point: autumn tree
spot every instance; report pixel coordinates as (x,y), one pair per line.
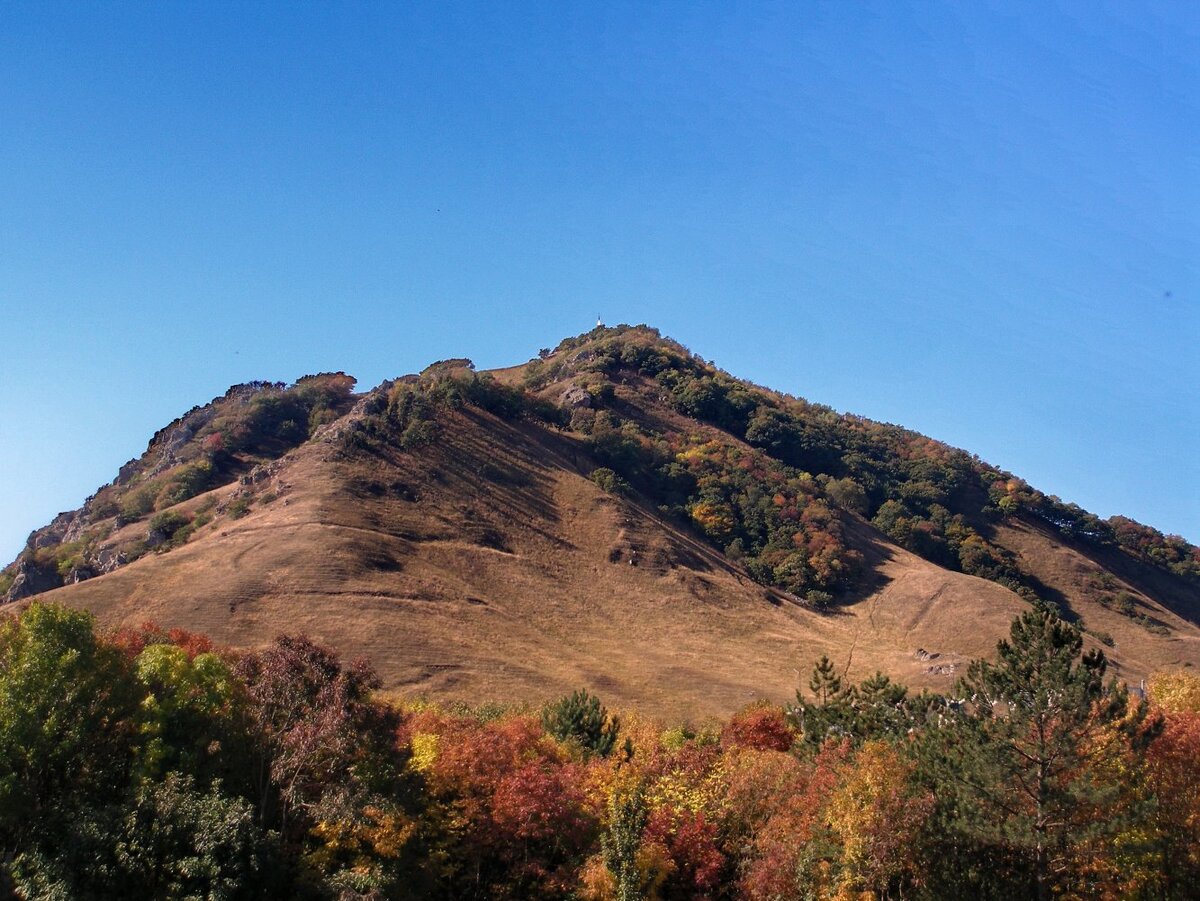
(621,842)
(327,767)
(1173,775)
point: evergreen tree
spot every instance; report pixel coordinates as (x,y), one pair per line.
(580,717)
(877,708)
(825,683)
(1020,772)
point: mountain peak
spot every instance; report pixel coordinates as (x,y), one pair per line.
(507,521)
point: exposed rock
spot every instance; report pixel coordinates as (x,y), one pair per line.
(162,451)
(31,580)
(79,574)
(126,473)
(574,398)
(108,560)
(64,527)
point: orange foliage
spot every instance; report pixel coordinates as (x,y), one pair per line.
(761,727)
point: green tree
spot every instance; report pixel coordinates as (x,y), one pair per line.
(194,717)
(580,717)
(67,728)
(876,708)
(1021,772)
(825,683)
(627,815)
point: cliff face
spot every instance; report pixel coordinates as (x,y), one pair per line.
(616,514)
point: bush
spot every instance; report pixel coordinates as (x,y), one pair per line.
(138,503)
(609,481)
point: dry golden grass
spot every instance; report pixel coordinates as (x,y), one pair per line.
(488,567)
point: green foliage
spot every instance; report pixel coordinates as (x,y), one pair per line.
(167,523)
(238,507)
(1127,604)
(582,719)
(178,840)
(1023,771)
(186,482)
(825,683)
(138,502)
(67,706)
(194,715)
(627,815)
(609,481)
(876,708)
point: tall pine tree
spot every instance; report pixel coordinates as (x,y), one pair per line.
(1020,772)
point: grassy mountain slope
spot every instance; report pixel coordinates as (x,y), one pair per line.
(616,514)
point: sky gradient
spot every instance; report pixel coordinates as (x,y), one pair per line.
(979,221)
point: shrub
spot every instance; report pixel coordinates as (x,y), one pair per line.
(609,481)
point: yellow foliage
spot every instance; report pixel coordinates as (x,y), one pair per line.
(681,790)
(654,865)
(1178,691)
(382,835)
(596,881)
(869,810)
(715,519)
(424,751)
(390,832)
(674,739)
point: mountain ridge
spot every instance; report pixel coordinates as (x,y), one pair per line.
(483,521)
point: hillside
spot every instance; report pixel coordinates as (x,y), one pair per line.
(617,514)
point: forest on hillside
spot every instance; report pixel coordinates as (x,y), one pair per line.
(147,763)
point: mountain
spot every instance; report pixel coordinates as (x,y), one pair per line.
(616,513)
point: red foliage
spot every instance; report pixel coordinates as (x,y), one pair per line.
(193,643)
(762,727)
(772,871)
(317,719)
(691,844)
(540,821)
(132,641)
(472,759)
(1174,778)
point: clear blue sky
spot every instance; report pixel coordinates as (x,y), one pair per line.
(978,220)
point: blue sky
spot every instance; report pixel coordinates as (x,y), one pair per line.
(976,220)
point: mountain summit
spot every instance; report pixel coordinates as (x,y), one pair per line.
(616,513)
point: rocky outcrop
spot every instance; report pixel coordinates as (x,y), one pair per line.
(574,398)
(163,450)
(63,528)
(31,579)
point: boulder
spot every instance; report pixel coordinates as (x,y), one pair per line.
(574,398)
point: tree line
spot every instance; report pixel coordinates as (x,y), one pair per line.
(150,764)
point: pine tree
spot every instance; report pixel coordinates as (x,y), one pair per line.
(1021,785)
(580,717)
(825,683)
(877,708)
